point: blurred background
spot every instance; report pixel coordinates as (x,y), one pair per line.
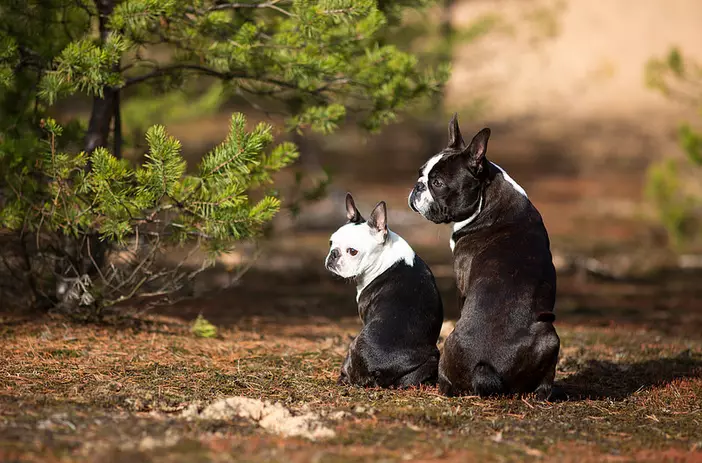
(587,102)
(566,87)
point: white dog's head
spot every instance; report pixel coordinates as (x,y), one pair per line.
(358,246)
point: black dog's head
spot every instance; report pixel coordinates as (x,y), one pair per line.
(449,188)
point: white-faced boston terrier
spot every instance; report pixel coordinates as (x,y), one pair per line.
(504,341)
(398,302)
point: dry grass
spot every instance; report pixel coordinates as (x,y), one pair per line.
(114,393)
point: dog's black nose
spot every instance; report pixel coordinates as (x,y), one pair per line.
(419,187)
(333,258)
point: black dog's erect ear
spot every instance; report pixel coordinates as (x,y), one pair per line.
(352,213)
(477,149)
(455,139)
(378,220)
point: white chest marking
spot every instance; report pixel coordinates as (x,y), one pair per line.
(458,225)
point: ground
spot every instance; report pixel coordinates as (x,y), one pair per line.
(629,384)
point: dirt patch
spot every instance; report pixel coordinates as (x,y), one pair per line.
(274,418)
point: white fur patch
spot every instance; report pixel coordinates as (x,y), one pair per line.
(511,181)
(373,258)
(394,250)
(425,198)
(458,225)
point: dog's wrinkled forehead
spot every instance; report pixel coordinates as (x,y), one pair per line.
(353,234)
(435,163)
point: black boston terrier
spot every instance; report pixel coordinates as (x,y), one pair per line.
(504,341)
(398,302)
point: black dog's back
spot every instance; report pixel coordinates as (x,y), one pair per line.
(402,314)
(504,341)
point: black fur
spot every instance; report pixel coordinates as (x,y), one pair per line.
(504,341)
(401,311)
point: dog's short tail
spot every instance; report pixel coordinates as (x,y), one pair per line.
(486,381)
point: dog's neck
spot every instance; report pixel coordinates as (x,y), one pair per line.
(395,250)
(501,200)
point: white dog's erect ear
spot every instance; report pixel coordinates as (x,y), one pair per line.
(455,141)
(378,220)
(477,149)
(352,213)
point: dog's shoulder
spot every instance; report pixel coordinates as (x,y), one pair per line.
(397,278)
(400,287)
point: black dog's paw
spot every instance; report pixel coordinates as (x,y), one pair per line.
(445,387)
(558,394)
(343,380)
(543,392)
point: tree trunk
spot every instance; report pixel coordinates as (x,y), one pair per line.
(100,121)
(117,131)
(88,255)
(103,107)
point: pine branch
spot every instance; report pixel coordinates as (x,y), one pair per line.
(232,6)
(226,76)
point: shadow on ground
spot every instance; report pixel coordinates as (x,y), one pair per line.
(606,380)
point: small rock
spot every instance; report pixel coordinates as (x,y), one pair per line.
(272,417)
(336,416)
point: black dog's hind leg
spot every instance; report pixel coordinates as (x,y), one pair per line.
(544,389)
(343,380)
(486,381)
(445,386)
(345,371)
(425,373)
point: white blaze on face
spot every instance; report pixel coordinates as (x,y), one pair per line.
(373,256)
(423,202)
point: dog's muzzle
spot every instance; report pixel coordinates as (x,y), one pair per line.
(333,259)
(415,195)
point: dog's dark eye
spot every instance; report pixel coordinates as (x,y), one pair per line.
(436,183)
(352,251)
(330,243)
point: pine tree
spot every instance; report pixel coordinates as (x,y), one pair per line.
(70,205)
